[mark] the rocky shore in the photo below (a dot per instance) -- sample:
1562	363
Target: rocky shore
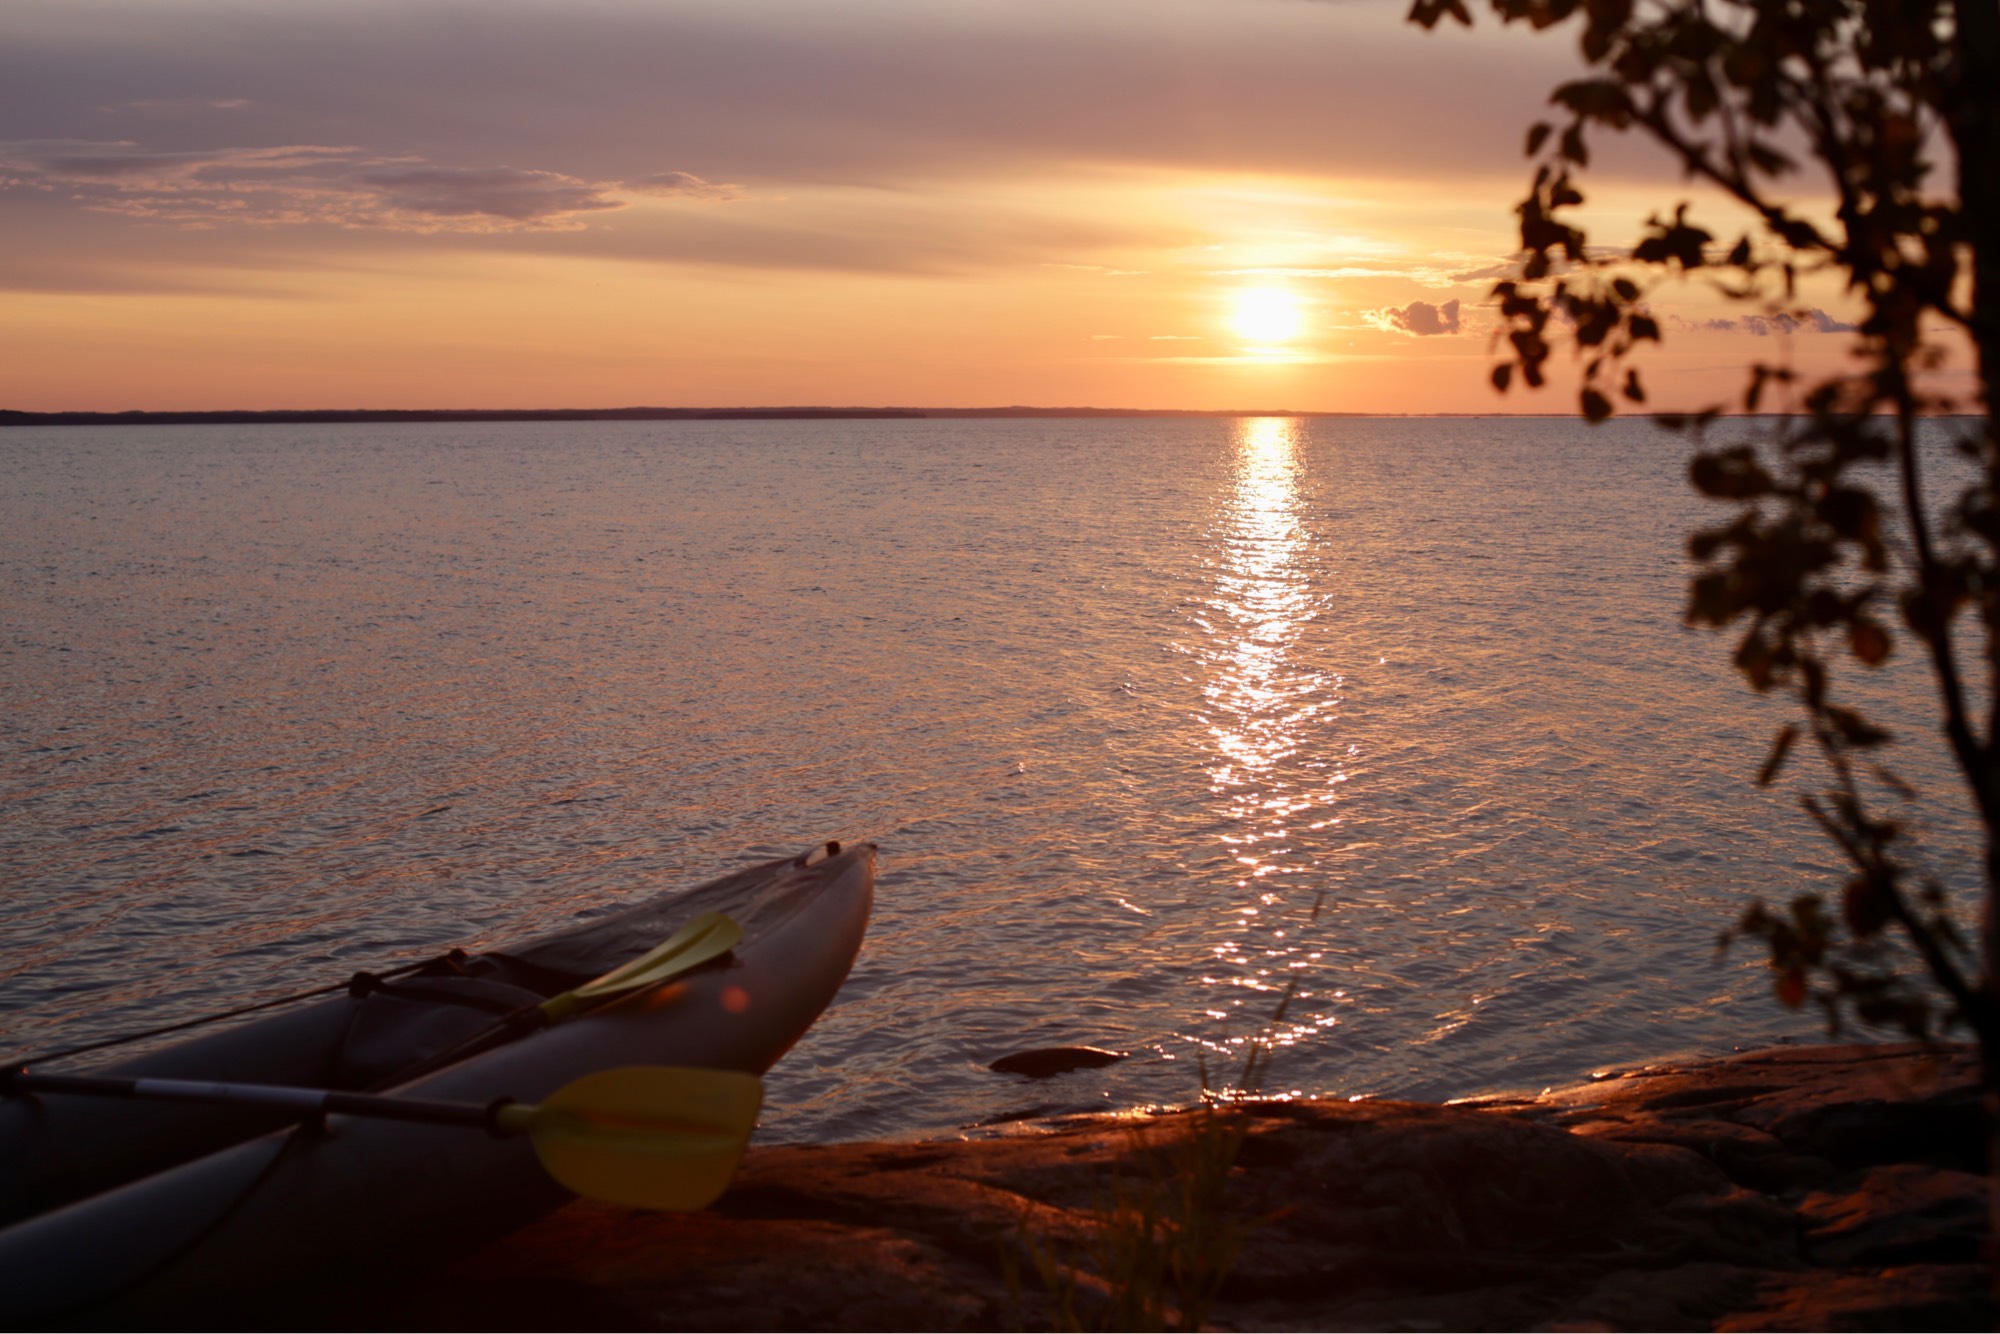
1789	1189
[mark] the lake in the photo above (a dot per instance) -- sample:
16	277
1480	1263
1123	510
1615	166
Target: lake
1149	717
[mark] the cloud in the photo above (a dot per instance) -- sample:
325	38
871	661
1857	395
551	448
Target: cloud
797	90
1822	322
682	183
1384	270
1558	264
309	183
1420	318
1813	320
174	106
503	194
1096	268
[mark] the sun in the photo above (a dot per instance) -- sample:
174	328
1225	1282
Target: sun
1266	315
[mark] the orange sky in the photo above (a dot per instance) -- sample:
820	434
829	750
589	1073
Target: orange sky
1118	203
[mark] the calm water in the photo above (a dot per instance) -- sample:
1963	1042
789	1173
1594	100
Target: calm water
1146	717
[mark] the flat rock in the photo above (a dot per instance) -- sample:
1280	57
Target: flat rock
1899	1214
1805	1188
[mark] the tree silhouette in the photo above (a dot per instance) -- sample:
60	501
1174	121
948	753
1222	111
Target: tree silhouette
1883	116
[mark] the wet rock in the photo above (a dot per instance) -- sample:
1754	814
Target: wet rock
1043	1062
1693	1197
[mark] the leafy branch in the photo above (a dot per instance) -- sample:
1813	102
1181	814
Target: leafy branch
1834	548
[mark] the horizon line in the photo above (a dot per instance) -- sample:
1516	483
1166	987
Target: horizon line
340	416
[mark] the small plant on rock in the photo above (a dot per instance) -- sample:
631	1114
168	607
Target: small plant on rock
1158	1244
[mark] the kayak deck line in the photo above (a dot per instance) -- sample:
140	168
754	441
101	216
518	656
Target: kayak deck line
363	980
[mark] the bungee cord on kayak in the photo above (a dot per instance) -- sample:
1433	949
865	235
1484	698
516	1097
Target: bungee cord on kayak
201	1021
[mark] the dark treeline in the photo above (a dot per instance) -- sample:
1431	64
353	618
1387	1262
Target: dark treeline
11	417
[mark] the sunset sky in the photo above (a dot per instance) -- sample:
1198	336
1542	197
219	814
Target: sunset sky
511	203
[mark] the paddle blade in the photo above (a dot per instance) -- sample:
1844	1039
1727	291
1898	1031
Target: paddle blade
653	1137
709	936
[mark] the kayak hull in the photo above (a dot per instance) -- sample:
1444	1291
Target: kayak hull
359	1199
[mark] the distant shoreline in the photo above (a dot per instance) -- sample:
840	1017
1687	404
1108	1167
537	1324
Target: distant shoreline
331	416
357	416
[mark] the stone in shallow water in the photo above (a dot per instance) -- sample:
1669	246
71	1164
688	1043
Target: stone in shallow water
1042	1062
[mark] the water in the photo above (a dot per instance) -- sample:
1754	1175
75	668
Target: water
1147	717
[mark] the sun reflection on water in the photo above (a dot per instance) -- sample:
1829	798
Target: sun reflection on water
1258	705
1270	772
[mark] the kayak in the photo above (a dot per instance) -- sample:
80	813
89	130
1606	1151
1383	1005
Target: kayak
133	1211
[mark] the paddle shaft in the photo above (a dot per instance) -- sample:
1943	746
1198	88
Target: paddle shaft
307	1102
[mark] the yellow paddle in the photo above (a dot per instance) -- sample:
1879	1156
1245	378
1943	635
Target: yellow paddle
648	1136
709	936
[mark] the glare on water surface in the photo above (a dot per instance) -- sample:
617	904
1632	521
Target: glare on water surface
1264	709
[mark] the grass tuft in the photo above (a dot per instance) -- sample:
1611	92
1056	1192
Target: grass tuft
1158	1243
